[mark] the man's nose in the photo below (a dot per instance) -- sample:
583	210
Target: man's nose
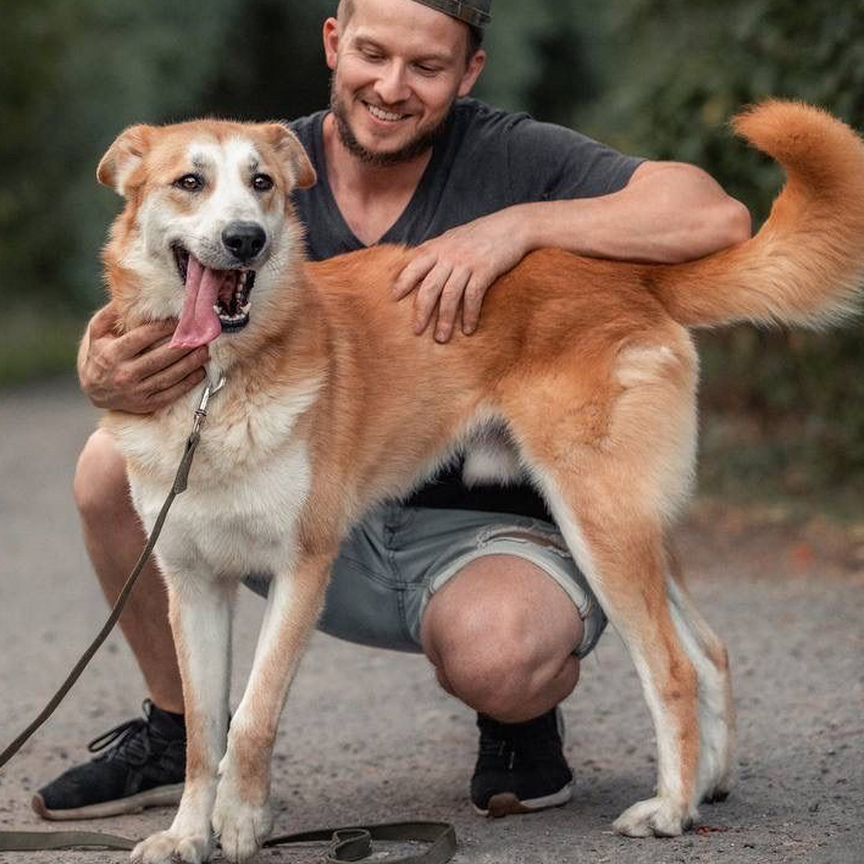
392	85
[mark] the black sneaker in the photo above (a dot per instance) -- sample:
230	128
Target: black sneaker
520	766
145	767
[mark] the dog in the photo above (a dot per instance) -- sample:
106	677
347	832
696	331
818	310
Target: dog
331	405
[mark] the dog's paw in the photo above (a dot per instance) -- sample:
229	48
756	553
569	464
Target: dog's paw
240	826
720	790
718	769
715	796
168	847
657	817
719	783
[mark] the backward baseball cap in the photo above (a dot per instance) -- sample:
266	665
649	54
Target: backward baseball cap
475	12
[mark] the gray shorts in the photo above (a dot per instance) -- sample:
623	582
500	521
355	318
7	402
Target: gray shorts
397	557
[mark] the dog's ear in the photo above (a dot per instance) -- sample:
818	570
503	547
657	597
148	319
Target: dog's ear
123	157
293	155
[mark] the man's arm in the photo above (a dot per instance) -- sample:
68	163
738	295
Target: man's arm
668	213
136	372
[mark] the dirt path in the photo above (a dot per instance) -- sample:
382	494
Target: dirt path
368	736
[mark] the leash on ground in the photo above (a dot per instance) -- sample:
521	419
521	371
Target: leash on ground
346	844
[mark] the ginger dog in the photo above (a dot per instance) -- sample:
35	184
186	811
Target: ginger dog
332	405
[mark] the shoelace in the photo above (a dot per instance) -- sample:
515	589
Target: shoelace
537	745
131	740
500	750
131	745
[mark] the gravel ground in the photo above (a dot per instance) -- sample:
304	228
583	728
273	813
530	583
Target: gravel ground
367	735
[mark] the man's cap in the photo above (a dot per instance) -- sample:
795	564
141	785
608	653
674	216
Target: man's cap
475	12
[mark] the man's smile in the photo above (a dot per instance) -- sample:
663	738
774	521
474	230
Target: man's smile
383	114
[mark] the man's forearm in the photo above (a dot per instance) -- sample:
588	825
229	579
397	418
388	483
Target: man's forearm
668	213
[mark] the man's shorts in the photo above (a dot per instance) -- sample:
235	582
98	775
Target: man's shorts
397	557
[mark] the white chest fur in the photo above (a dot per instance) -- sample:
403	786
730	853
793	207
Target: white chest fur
247	487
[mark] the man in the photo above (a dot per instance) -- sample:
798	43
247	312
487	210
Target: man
475	577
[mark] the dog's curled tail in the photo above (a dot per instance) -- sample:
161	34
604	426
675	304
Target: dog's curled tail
806	265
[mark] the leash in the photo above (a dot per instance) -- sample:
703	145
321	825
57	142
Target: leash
346	844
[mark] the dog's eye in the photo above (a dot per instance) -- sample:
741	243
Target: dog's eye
190	182
262	182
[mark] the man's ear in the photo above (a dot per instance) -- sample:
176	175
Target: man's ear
472	72
293	155
331	33
123	157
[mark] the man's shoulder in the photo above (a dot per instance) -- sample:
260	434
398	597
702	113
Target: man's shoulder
476	114
515	131
539	158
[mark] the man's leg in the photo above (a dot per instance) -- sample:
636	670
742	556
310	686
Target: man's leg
498	605
145	765
114	539
502	636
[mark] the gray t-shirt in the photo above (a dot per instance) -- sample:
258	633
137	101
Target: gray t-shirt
485	160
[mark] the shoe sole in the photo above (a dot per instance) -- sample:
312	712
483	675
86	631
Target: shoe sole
507	804
162	796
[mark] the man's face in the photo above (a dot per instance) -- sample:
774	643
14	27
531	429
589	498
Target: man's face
397	68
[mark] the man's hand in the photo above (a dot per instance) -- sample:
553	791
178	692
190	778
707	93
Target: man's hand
136	372
458	268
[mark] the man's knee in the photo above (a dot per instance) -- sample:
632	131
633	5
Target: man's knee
500	664
100	484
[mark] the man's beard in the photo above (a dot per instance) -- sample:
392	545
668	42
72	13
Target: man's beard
414	148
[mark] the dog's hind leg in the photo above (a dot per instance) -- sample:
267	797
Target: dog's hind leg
624	562
717	766
242	816
613	458
200	611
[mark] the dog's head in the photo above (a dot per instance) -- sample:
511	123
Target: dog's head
208	218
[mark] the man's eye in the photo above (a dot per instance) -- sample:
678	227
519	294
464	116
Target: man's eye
262	183
190	182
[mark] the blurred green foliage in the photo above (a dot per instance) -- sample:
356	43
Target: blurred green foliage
675	71
672	72
76	72
655	77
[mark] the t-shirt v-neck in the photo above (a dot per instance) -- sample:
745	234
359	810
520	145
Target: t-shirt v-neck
405	229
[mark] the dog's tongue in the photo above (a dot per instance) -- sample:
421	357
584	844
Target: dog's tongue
199	323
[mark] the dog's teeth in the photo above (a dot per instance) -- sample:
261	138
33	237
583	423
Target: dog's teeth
244	310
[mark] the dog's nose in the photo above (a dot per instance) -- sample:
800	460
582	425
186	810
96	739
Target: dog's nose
244	240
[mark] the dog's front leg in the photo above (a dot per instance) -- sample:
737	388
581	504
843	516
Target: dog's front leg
242	817
200	612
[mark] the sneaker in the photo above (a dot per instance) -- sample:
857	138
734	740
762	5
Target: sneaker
520	766
144	767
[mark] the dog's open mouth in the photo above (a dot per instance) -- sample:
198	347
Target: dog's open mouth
216	301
